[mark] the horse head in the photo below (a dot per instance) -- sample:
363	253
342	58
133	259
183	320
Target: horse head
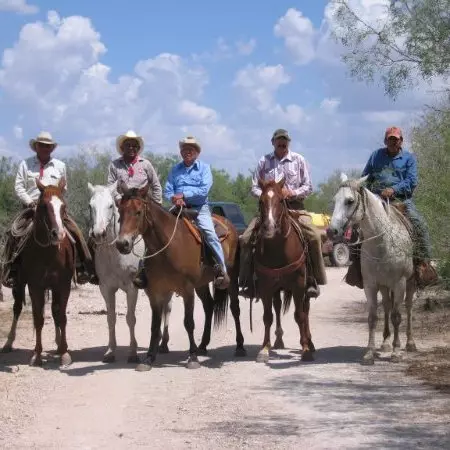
348	205
132	215
50	211
272	207
102	210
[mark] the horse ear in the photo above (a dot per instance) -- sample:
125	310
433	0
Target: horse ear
281	183
122	188
91	188
344	177
144	191
261	183
39	184
362	180
62	183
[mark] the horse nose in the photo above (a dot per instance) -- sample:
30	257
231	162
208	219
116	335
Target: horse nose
104	233
123	246
54	233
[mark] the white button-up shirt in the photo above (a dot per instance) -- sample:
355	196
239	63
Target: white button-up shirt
29	169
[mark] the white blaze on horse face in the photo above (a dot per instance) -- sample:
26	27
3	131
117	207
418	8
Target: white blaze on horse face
102	211
57	204
271	225
340	212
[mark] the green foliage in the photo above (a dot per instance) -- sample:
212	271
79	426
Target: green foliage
410	39
9	204
431	143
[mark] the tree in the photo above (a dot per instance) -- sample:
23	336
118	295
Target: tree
409	39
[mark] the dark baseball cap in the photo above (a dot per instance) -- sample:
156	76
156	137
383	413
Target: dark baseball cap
280	133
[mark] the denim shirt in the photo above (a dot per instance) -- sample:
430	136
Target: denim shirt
193	182
398	172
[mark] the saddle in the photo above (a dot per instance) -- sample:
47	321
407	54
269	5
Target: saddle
399	211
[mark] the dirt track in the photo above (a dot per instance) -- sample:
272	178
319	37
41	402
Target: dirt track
331	403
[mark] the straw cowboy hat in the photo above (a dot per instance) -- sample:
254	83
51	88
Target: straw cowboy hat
44	137
190	140
129	135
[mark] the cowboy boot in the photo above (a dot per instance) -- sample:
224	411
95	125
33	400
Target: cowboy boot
425	274
221	280
312	288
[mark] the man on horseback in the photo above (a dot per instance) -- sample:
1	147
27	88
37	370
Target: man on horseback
49	170
135	171
392	172
283	163
188	185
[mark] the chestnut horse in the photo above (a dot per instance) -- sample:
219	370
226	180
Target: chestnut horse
47	262
174	265
280	264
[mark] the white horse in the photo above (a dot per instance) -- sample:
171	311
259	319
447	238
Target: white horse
116	271
386	259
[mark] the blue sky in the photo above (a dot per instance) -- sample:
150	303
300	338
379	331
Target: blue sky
228	72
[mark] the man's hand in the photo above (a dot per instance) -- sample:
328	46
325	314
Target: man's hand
287	193
177	200
387	193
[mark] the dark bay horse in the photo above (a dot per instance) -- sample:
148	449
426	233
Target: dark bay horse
174	265
47	262
280	264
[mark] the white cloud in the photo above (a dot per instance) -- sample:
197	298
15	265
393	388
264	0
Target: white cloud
18	6
330	105
18	132
246	47
299	35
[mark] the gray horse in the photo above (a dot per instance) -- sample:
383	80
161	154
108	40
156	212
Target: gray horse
386	259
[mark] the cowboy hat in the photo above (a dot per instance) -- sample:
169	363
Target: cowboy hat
44	137
280	133
190	140
129	135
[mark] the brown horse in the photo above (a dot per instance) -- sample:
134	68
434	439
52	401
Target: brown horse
47	262
174	265
280	264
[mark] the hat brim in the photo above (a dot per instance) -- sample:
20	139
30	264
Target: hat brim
122	138
34	141
394	135
190	144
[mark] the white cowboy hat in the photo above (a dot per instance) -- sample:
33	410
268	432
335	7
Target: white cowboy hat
190	140
129	135
43	137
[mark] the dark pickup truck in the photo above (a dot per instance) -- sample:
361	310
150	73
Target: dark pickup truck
232	212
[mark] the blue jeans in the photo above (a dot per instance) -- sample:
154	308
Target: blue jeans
205	223
422	237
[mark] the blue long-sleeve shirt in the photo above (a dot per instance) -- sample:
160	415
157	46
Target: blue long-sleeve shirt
398	172
193	182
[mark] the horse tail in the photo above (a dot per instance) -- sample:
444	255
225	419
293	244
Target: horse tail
251	315
287	299
220	306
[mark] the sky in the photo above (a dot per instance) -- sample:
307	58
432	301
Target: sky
229	73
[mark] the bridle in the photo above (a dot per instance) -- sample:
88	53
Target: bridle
284	215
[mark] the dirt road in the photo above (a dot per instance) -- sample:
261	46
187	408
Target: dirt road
331	403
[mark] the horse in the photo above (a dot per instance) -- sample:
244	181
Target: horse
280	264
115	270
386	260
47	262
174	265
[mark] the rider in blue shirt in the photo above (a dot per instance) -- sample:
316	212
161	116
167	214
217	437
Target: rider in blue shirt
188	184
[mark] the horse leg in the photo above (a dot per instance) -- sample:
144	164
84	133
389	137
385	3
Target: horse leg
157	305
189	325
56	321
164	346
371	295
387	305
208	307
132	296
109	295
410	290
306	308
61	297
37	303
18	292
263	355
236	312
300	317
396	317
278	344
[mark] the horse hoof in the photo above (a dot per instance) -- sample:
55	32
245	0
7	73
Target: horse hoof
144	367
202	351
386	348
279	345
396	358
193	363
66	360
163	348
36	360
240	352
133	359
368	359
311	346
109	358
307	356
262	357
411	347
7	348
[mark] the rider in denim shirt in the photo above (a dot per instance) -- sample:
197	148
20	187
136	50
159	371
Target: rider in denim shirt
188	184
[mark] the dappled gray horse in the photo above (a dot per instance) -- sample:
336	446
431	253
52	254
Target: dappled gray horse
386	259
115	270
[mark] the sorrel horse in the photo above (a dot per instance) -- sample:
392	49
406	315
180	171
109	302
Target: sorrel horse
47	262
174	265
386	260
280	264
